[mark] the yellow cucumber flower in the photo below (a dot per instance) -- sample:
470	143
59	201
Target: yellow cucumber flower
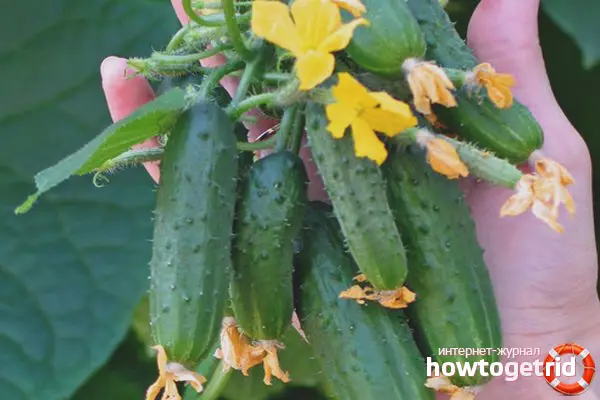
169	374
312	32
442	155
395	299
428	84
443	385
497	85
366	112
543	193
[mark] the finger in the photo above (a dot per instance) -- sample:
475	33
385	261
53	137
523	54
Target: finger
124	96
505	34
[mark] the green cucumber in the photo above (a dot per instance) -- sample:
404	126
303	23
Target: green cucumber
456	307
392	36
269	219
191	262
357	191
365	352
511	133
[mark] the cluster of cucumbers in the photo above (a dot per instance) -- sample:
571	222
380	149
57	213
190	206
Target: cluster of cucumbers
235	236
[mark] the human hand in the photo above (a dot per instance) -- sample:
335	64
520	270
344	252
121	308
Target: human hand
545	282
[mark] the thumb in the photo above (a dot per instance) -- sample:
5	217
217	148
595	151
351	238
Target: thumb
505	34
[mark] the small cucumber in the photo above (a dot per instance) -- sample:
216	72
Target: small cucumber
191	263
357	191
365	352
269	219
511	133
392	36
456	307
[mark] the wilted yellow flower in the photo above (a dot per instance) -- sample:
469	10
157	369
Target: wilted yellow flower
312	32
355	7
366	112
429	85
169	374
442	155
497	85
395	299
543	193
238	353
442	384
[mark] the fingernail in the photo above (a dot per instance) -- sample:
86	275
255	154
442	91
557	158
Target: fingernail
112	66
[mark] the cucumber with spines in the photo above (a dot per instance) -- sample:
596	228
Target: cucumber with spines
511	133
365	352
456	307
270	214
191	257
357	191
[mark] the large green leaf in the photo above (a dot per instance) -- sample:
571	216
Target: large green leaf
72	270
579	19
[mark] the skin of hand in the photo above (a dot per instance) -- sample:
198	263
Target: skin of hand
545	282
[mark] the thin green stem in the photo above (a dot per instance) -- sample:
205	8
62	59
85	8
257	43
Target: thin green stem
234	31
285	128
277	77
178	39
250	103
254	146
245	81
217	74
200	20
217	383
191	58
297	131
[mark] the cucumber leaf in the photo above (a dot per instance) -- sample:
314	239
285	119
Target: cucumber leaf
579	19
154	118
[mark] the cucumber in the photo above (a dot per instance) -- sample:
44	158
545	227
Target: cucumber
456	307
191	263
365	352
392	36
269	219
357	191
511	133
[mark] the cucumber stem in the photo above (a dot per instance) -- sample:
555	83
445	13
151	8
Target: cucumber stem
297	131
234	31
178	39
285	128
190	58
215	76
217	383
250	103
254	146
200	20
277	77
126	159
245	81
457	76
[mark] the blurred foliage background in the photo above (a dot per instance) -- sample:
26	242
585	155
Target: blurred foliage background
73	270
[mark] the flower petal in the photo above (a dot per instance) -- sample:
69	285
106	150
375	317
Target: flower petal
271	21
271	364
355	7
366	142
340	117
315	21
154	389
396	299
339	39
171	392
387	122
520	202
545	214
444	159
313	68
350	92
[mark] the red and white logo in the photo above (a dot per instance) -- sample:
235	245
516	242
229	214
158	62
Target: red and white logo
582	357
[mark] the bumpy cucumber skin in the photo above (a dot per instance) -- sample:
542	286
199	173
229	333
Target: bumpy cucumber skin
191	259
392	36
511	133
456	307
269	219
365	352
357	191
